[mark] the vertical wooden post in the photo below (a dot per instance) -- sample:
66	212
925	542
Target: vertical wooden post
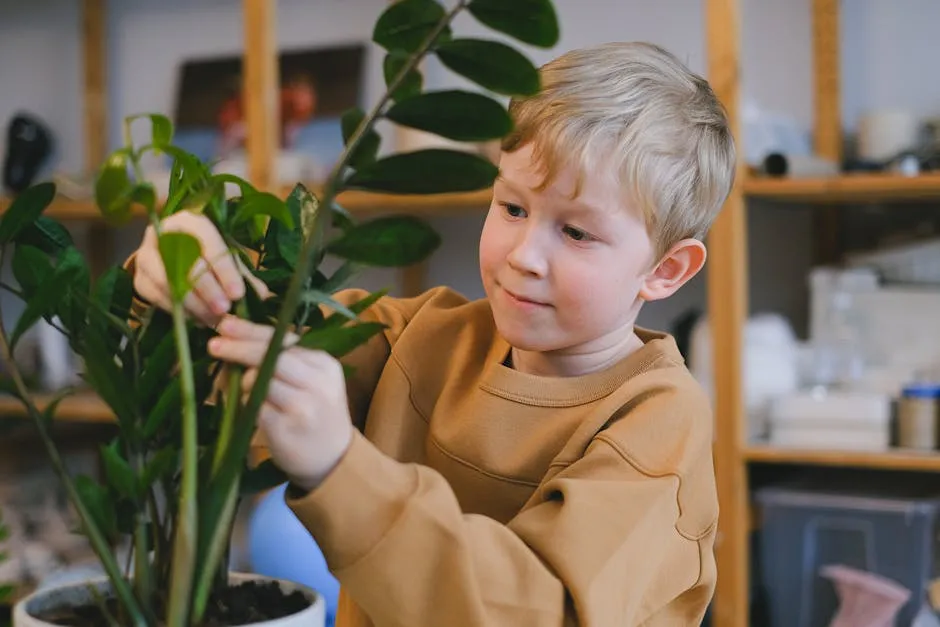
260	91
95	50
727	312
826	80
827	118
95	105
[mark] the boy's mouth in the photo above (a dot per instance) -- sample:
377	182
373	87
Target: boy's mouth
523	299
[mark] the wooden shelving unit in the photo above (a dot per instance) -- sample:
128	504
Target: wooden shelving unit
81	407
359	203
897	459
848	188
728	295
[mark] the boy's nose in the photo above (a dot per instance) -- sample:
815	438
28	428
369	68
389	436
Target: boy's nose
527	255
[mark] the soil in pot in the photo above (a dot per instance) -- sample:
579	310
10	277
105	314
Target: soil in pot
240	604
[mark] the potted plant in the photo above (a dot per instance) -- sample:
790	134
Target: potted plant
177	468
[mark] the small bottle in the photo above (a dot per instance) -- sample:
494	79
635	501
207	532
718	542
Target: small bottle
917	416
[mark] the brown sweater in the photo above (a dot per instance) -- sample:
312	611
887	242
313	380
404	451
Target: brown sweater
477	495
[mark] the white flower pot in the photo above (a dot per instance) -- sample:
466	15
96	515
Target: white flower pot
78	594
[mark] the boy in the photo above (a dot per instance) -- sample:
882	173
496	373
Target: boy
531	458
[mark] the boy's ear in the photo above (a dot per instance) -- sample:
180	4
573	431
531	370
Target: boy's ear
680	263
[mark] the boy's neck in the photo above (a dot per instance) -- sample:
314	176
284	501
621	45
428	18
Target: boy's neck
574	363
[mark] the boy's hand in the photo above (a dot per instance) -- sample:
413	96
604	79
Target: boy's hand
218	276
305	416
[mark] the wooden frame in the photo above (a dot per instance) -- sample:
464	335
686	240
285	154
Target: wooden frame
728	297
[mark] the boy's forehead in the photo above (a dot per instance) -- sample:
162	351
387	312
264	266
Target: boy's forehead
600	190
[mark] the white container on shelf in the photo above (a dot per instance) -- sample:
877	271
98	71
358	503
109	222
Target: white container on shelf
822	419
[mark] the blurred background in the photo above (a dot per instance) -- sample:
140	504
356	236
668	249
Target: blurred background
825	268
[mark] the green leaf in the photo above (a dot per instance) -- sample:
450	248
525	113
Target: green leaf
430	171
161	132
188	173
368	146
162	464
24	211
169	404
314	220
255	305
48	296
120	475
144	194
338	341
530	21
48	414
155	368
95	498
114	290
491	64
113	188
264	204
162	129
341	217
47	235
107	378
389	241
339	279
73	303
179	252
410	85
31	268
316	297
245	187
459	115
261	478
405	25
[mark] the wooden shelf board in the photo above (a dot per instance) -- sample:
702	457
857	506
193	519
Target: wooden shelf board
862	187
66	209
363	204
896	459
80	407
366	203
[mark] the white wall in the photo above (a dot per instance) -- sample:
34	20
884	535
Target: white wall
39	56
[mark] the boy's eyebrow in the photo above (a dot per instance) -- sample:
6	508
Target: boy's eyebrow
510	184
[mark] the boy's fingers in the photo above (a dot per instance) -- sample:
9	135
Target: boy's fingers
294	370
223	266
150	291
214	250
234	327
238	328
206	285
248	353
199	309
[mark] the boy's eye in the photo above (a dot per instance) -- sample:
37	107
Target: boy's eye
576	234
514	211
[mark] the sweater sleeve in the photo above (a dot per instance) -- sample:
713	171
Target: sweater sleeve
600	546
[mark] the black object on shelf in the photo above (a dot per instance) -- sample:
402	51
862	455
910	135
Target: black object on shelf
29	144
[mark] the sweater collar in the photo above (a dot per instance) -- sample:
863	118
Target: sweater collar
541	391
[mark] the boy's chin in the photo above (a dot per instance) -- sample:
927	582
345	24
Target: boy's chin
529	340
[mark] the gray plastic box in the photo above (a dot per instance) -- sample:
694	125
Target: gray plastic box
804	530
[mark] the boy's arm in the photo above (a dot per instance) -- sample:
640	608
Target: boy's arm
606	543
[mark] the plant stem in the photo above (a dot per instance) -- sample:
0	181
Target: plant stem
184	549
230	471
95	536
143	569
299	277
214	539
218	540
218	504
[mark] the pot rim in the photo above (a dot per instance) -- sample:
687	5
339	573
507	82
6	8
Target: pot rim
21	609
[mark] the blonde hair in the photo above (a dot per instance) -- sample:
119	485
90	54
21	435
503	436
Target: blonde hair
634	107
